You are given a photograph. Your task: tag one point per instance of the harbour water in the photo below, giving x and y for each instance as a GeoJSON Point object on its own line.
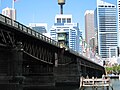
{"type": "Point", "coordinates": [115, 84]}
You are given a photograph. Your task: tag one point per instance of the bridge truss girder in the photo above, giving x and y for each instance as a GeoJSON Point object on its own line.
{"type": "Point", "coordinates": [7, 38]}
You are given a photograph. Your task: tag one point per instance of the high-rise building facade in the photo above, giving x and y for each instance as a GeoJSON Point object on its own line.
{"type": "Point", "coordinates": [89, 25]}
{"type": "Point", "coordinates": [66, 32]}
{"type": "Point", "coordinates": [106, 27]}
{"type": "Point", "coordinates": [39, 27]}
{"type": "Point", "coordinates": [9, 12]}
{"type": "Point", "coordinates": [118, 18]}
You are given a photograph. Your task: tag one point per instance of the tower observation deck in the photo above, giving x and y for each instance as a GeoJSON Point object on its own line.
{"type": "Point", "coordinates": [61, 3]}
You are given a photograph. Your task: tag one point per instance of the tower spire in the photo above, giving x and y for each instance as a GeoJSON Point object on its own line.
{"type": "Point", "coordinates": [61, 3]}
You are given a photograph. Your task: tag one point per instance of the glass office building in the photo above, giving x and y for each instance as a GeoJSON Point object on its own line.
{"type": "Point", "coordinates": [106, 27]}
{"type": "Point", "coordinates": [66, 32]}
{"type": "Point", "coordinates": [39, 27]}
{"type": "Point", "coordinates": [118, 14]}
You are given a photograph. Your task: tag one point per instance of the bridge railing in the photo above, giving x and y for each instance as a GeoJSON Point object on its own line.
{"type": "Point", "coordinates": [27, 30]}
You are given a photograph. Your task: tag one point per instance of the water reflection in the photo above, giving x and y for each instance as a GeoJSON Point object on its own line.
{"type": "Point", "coordinates": [116, 84]}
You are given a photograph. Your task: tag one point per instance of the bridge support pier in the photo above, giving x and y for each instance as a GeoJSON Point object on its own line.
{"type": "Point", "coordinates": [11, 68]}
{"type": "Point", "coordinates": [17, 59]}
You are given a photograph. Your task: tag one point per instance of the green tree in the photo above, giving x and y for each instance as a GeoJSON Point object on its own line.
{"type": "Point", "coordinates": [109, 70]}
{"type": "Point", "coordinates": [118, 69]}
{"type": "Point", "coordinates": [114, 69]}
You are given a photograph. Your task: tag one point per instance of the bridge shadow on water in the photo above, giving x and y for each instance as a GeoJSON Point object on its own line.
{"type": "Point", "coordinates": [55, 88]}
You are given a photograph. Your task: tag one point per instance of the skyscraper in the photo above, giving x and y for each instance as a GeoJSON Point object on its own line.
{"type": "Point", "coordinates": [9, 12]}
{"type": "Point", "coordinates": [39, 27]}
{"type": "Point", "coordinates": [89, 25]}
{"type": "Point", "coordinates": [106, 27]}
{"type": "Point", "coordinates": [118, 15]}
{"type": "Point", "coordinates": [66, 32]}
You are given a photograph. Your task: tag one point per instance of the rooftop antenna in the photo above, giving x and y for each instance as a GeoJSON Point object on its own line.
{"type": "Point", "coordinates": [61, 3]}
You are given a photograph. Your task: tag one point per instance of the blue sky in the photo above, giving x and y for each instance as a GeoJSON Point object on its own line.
{"type": "Point", "coordinates": [44, 11]}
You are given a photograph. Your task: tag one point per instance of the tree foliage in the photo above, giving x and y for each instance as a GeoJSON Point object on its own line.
{"type": "Point", "coordinates": [114, 69]}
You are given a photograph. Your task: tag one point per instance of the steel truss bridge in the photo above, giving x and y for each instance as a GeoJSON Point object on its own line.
{"type": "Point", "coordinates": [32, 61]}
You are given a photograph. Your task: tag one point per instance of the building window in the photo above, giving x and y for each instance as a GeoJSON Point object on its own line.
{"type": "Point", "coordinates": [63, 20]}
{"type": "Point", "coordinates": [58, 20]}
{"type": "Point", "coordinates": [68, 20]}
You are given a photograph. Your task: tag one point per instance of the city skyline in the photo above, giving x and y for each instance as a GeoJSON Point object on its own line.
{"type": "Point", "coordinates": [44, 11]}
